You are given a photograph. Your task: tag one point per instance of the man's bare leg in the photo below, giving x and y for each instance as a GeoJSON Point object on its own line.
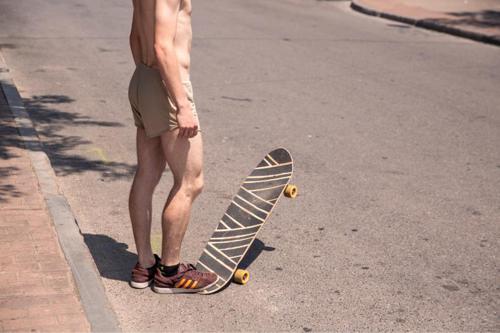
{"type": "Point", "coordinates": [150, 167]}
{"type": "Point", "coordinates": [185, 159]}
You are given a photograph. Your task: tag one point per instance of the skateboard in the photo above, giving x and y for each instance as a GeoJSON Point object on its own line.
{"type": "Point", "coordinates": [250, 208]}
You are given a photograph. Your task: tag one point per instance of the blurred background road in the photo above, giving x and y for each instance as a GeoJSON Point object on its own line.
{"type": "Point", "coordinates": [395, 132]}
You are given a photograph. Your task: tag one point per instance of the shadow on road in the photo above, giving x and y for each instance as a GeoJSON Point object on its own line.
{"type": "Point", "coordinates": [114, 261]}
{"type": "Point", "coordinates": [50, 121]}
{"type": "Point", "coordinates": [45, 112]}
{"type": "Point", "coordinates": [112, 258]}
{"type": "Point", "coordinates": [253, 252]}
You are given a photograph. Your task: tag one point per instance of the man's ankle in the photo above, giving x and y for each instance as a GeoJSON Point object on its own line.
{"type": "Point", "coordinates": [147, 262]}
{"type": "Point", "coordinates": [169, 270]}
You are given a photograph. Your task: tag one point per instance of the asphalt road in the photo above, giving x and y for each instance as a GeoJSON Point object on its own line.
{"type": "Point", "coordinates": [395, 133]}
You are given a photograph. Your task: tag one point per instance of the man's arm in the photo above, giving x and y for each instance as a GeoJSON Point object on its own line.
{"type": "Point", "coordinates": [166, 12]}
{"type": "Point", "coordinates": [135, 41]}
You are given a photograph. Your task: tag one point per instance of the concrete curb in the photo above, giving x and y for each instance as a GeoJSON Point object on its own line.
{"type": "Point", "coordinates": [88, 281]}
{"type": "Point", "coordinates": [428, 24]}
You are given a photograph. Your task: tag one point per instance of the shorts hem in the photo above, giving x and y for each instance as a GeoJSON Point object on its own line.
{"type": "Point", "coordinates": [158, 133]}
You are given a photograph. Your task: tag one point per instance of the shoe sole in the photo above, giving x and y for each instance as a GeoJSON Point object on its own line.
{"type": "Point", "coordinates": [140, 285]}
{"type": "Point", "coordinates": [161, 290]}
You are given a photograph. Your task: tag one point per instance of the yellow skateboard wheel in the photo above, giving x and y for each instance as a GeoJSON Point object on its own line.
{"type": "Point", "coordinates": [291, 191]}
{"type": "Point", "coordinates": [241, 276]}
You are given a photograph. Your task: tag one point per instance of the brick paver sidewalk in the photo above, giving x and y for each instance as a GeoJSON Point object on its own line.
{"type": "Point", "coordinates": [37, 291]}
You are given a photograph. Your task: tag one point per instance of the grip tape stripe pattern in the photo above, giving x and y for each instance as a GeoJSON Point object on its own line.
{"type": "Point", "coordinates": [247, 212]}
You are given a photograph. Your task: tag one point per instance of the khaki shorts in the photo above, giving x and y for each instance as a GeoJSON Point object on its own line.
{"type": "Point", "coordinates": [152, 108]}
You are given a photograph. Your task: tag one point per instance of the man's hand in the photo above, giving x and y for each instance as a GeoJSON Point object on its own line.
{"type": "Point", "coordinates": [188, 124]}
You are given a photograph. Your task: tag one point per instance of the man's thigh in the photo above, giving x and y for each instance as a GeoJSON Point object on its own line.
{"type": "Point", "coordinates": [184, 156]}
{"type": "Point", "coordinates": [150, 159]}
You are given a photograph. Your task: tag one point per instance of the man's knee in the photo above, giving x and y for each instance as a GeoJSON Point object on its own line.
{"type": "Point", "coordinates": [199, 184]}
{"type": "Point", "coordinates": [193, 187]}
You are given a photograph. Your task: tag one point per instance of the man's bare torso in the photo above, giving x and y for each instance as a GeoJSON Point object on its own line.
{"type": "Point", "coordinates": [145, 14]}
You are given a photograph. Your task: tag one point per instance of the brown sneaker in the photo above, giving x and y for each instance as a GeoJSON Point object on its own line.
{"type": "Point", "coordinates": [187, 280]}
{"type": "Point", "coordinates": [143, 277]}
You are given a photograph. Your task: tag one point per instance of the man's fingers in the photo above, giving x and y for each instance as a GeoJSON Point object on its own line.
{"type": "Point", "coordinates": [194, 131]}
{"type": "Point", "coordinates": [188, 132]}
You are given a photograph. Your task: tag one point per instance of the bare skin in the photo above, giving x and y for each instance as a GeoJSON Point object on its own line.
{"type": "Point", "coordinates": [161, 38]}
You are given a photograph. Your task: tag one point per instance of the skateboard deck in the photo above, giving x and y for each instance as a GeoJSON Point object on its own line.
{"type": "Point", "coordinates": [248, 211]}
